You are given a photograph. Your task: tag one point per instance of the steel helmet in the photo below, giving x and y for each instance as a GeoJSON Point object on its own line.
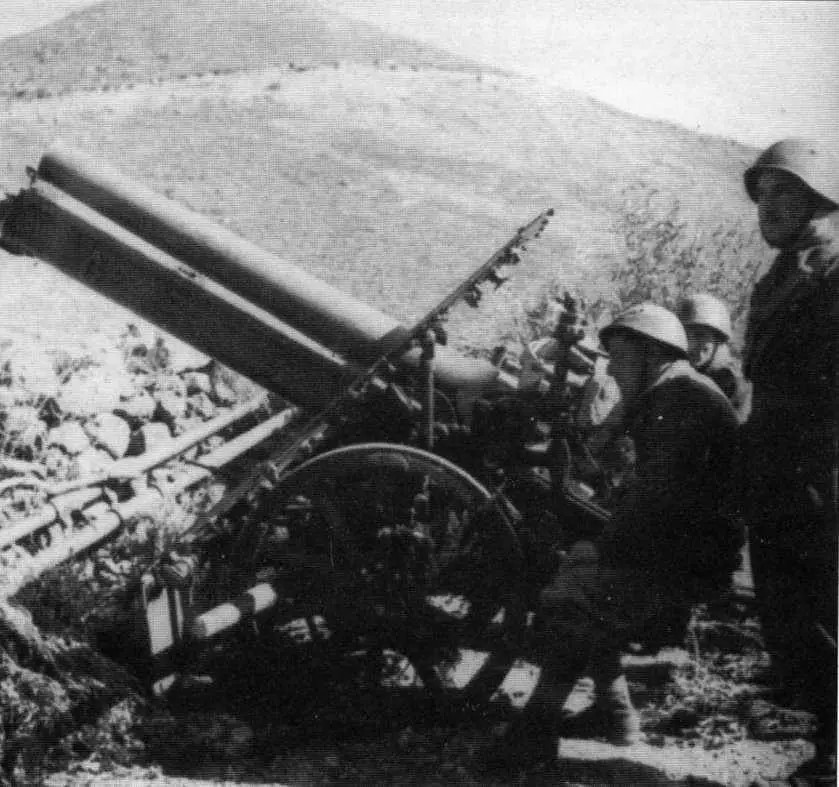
{"type": "Point", "coordinates": [651, 322]}
{"type": "Point", "coordinates": [706, 310]}
{"type": "Point", "coordinates": [813, 163]}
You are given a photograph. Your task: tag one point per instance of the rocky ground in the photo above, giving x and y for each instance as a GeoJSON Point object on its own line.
{"type": "Point", "coordinates": [72, 715]}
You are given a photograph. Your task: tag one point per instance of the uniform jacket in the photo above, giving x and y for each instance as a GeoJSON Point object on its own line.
{"type": "Point", "coordinates": [725, 372]}
{"type": "Point", "coordinates": [792, 343]}
{"type": "Point", "coordinates": [673, 517]}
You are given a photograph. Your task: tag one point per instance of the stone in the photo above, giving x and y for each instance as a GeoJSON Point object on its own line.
{"type": "Point", "coordinates": [201, 405]}
{"type": "Point", "coordinates": [184, 358]}
{"type": "Point", "coordinates": [92, 462]}
{"type": "Point", "coordinates": [56, 463]}
{"type": "Point", "coordinates": [32, 375]}
{"type": "Point", "coordinates": [97, 390]}
{"type": "Point", "coordinates": [24, 425]}
{"type": "Point", "coordinates": [230, 387]}
{"type": "Point", "coordinates": [152, 435]}
{"type": "Point", "coordinates": [171, 406]}
{"type": "Point", "coordinates": [197, 383]}
{"type": "Point", "coordinates": [110, 432]}
{"type": "Point", "coordinates": [138, 407]}
{"type": "Point", "coordinates": [8, 397]}
{"type": "Point", "coordinates": [70, 437]}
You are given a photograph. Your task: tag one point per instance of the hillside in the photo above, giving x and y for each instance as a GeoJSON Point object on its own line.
{"type": "Point", "coordinates": [115, 43]}
{"type": "Point", "coordinates": [386, 167]}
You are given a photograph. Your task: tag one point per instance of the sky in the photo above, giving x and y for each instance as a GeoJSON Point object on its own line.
{"type": "Point", "coordinates": [754, 70]}
{"type": "Point", "coordinates": [18, 16]}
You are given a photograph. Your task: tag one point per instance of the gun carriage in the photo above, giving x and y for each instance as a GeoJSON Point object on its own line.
{"type": "Point", "coordinates": [398, 498]}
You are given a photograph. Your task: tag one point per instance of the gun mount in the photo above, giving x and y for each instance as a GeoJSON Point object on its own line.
{"type": "Point", "coordinates": [376, 509]}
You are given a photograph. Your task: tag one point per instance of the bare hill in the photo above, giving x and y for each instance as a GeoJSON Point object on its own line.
{"type": "Point", "coordinates": [115, 43]}
{"type": "Point", "coordinates": [382, 165]}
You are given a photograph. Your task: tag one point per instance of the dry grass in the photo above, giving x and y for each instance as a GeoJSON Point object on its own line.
{"type": "Point", "coordinates": [390, 181]}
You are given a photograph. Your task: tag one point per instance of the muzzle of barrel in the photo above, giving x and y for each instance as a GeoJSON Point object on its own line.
{"type": "Point", "coordinates": [48, 223]}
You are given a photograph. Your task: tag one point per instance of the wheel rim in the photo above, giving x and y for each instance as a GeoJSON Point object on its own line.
{"type": "Point", "coordinates": [389, 549]}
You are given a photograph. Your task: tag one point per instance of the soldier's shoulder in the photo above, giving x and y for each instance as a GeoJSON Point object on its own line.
{"type": "Point", "coordinates": [822, 260]}
{"type": "Point", "coordinates": [725, 377]}
{"type": "Point", "coordinates": [683, 386]}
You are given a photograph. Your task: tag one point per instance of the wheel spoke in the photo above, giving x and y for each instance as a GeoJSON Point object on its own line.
{"type": "Point", "coordinates": [399, 551]}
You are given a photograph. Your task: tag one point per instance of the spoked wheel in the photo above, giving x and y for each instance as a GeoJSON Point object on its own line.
{"type": "Point", "coordinates": [392, 560]}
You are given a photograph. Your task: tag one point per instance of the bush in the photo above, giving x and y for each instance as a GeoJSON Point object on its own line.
{"type": "Point", "coordinates": [665, 258]}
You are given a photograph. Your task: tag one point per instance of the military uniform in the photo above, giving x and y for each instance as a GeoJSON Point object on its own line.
{"type": "Point", "coordinates": [670, 543]}
{"type": "Point", "coordinates": [673, 537]}
{"type": "Point", "coordinates": [669, 520]}
{"type": "Point", "coordinates": [792, 346]}
{"type": "Point", "coordinates": [725, 372]}
{"type": "Point", "coordinates": [791, 440]}
{"type": "Point", "coordinates": [710, 316]}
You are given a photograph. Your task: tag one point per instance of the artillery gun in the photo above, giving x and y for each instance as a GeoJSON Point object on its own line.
{"type": "Point", "coordinates": [396, 501]}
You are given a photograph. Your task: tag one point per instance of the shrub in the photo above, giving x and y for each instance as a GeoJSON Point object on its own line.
{"type": "Point", "coordinates": [666, 256]}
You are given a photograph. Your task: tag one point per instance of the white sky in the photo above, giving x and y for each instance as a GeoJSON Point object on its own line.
{"type": "Point", "coordinates": [756, 70]}
{"type": "Point", "coordinates": [18, 16]}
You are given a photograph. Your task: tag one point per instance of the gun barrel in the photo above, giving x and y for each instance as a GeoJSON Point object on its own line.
{"type": "Point", "coordinates": [327, 315]}
{"type": "Point", "coordinates": [345, 325]}
{"type": "Point", "coordinates": [46, 222]}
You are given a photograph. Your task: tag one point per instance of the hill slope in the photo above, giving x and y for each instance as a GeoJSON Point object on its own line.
{"type": "Point", "coordinates": [115, 42]}
{"type": "Point", "coordinates": [385, 166]}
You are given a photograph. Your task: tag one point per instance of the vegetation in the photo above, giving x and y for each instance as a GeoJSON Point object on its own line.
{"type": "Point", "coordinates": [664, 258]}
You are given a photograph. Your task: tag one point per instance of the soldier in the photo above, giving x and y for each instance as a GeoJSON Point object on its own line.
{"type": "Point", "coordinates": [667, 545]}
{"type": "Point", "coordinates": [707, 324]}
{"type": "Point", "coordinates": [791, 438]}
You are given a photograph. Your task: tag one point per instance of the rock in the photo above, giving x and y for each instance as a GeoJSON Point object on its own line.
{"type": "Point", "coordinates": [91, 393]}
{"type": "Point", "coordinates": [149, 436]}
{"type": "Point", "coordinates": [142, 347]}
{"type": "Point", "coordinates": [8, 397]}
{"type": "Point", "coordinates": [56, 463]}
{"type": "Point", "coordinates": [197, 383]}
{"type": "Point", "coordinates": [32, 376]}
{"type": "Point", "coordinates": [111, 433]}
{"type": "Point", "coordinates": [24, 425]}
{"type": "Point", "coordinates": [230, 387]}
{"type": "Point", "coordinates": [69, 437]}
{"type": "Point", "coordinates": [92, 462]}
{"type": "Point", "coordinates": [183, 358]}
{"type": "Point", "coordinates": [223, 393]}
{"type": "Point", "coordinates": [137, 408]}
{"type": "Point", "coordinates": [202, 405]}
{"type": "Point", "coordinates": [171, 406]}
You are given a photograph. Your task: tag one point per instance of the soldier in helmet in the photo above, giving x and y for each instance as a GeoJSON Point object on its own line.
{"type": "Point", "coordinates": [667, 545]}
{"type": "Point", "coordinates": [791, 439]}
{"type": "Point", "coordinates": [707, 324]}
